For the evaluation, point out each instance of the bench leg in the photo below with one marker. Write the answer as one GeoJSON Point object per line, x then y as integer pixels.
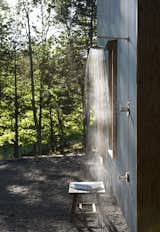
{"type": "Point", "coordinates": [100, 212]}
{"type": "Point", "coordinates": [74, 203]}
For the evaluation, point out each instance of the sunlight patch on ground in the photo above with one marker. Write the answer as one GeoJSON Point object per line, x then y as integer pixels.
{"type": "Point", "coordinates": [73, 154]}
{"type": "Point", "coordinates": [19, 190]}
{"type": "Point", "coordinates": [34, 197]}
{"type": "Point", "coordinates": [35, 175]}
{"type": "Point", "coordinates": [30, 195]}
{"type": "Point", "coordinates": [3, 166]}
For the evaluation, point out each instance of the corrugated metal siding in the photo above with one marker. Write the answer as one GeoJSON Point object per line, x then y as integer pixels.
{"type": "Point", "coordinates": [119, 19]}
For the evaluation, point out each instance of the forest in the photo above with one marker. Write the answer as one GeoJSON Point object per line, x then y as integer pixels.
{"type": "Point", "coordinates": [43, 51]}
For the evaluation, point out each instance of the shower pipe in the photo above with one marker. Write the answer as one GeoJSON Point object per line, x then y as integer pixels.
{"type": "Point", "coordinates": [113, 38]}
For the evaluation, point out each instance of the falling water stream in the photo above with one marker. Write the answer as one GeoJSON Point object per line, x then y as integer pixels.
{"type": "Point", "coordinates": [98, 102]}
{"type": "Point", "coordinates": [100, 117]}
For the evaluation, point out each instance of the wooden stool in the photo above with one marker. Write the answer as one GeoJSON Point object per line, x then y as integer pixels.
{"type": "Point", "coordinates": [81, 189]}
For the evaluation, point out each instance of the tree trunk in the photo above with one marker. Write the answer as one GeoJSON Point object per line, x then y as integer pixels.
{"type": "Point", "coordinates": [52, 135]}
{"type": "Point", "coordinates": [87, 115]}
{"type": "Point", "coordinates": [16, 147]}
{"type": "Point", "coordinates": [40, 116]}
{"type": "Point", "coordinates": [41, 80]}
{"type": "Point", "coordinates": [38, 135]}
{"type": "Point", "coordinates": [83, 101]}
{"type": "Point", "coordinates": [91, 26]}
{"type": "Point", "coordinates": [85, 91]}
{"type": "Point", "coordinates": [60, 127]}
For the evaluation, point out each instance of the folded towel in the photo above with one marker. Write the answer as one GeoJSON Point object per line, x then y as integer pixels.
{"type": "Point", "coordinates": [87, 187]}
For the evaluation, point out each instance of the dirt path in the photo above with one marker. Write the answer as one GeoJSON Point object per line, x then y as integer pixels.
{"type": "Point", "coordinates": [34, 196]}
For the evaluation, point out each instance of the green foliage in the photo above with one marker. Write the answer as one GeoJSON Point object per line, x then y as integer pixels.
{"type": "Point", "coordinates": [58, 68]}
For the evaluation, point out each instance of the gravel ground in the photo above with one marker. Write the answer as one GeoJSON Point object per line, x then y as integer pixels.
{"type": "Point", "coordinates": [34, 197]}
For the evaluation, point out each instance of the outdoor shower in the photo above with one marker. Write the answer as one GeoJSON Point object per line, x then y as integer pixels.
{"type": "Point", "coordinates": [98, 107]}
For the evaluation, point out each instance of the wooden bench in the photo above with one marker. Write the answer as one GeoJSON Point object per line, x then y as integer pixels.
{"type": "Point", "coordinates": [81, 191]}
